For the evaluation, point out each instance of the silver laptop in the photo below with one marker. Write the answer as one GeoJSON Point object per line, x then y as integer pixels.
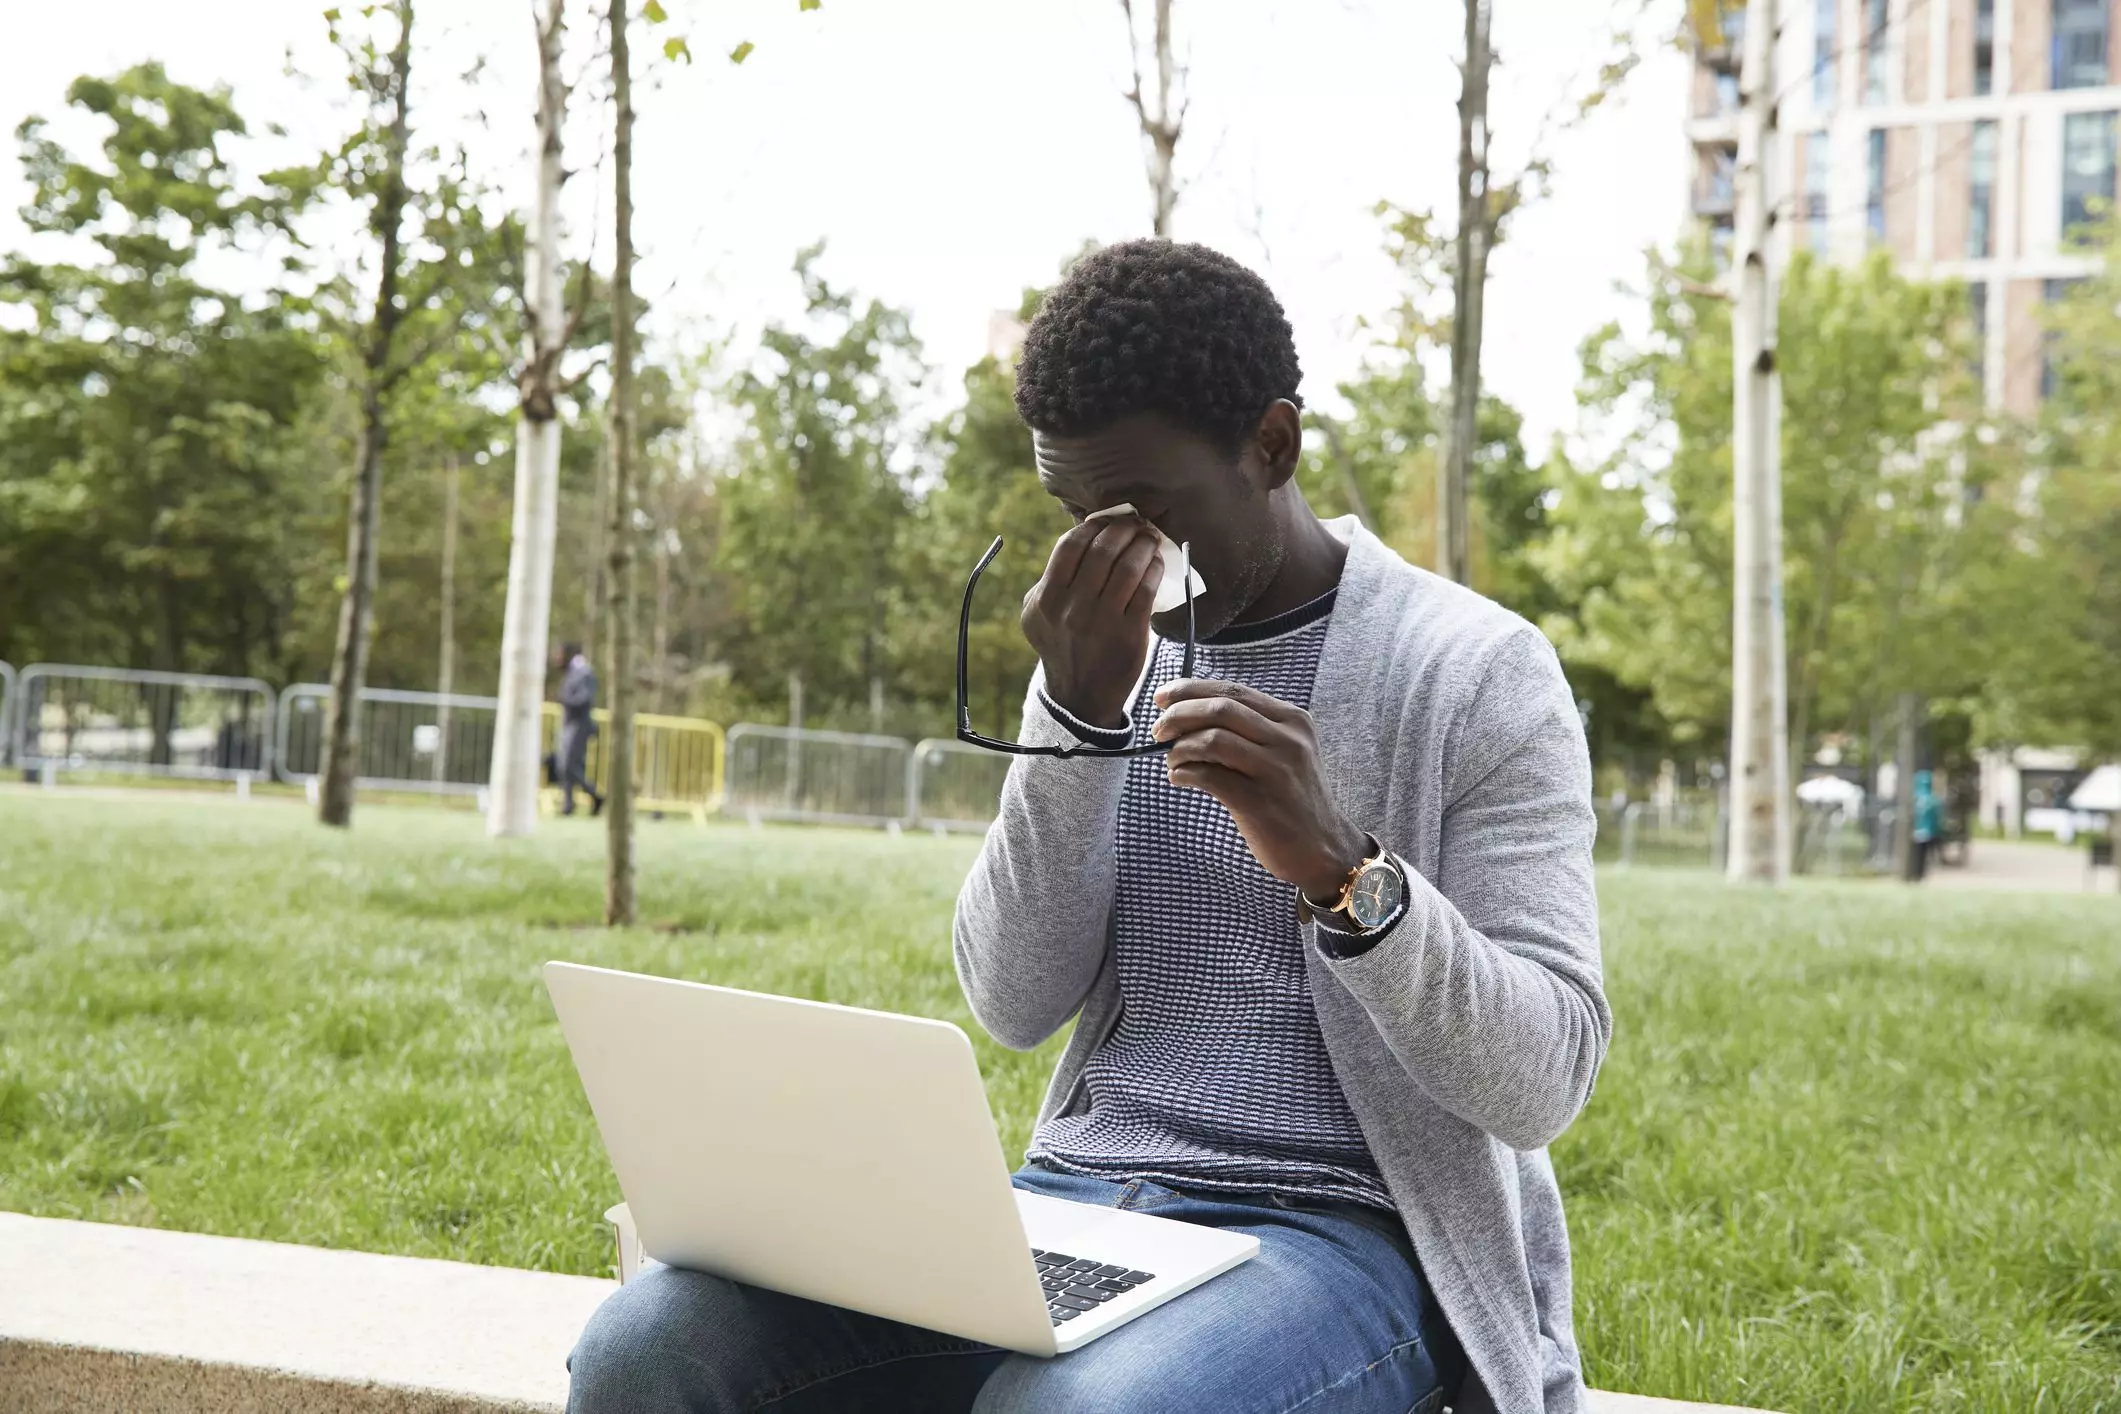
{"type": "Point", "coordinates": [849, 1156]}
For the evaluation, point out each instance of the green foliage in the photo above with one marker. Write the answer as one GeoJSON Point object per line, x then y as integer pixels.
{"type": "Point", "coordinates": [815, 512]}
{"type": "Point", "coordinates": [1886, 467]}
{"type": "Point", "coordinates": [152, 426]}
{"type": "Point", "coordinates": [2056, 593]}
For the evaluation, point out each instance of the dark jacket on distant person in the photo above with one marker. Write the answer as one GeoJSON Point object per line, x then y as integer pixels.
{"type": "Point", "coordinates": [578, 698]}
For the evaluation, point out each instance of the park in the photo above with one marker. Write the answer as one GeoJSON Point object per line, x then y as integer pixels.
{"type": "Point", "coordinates": [493, 482]}
{"type": "Point", "coordinates": [1851, 1153]}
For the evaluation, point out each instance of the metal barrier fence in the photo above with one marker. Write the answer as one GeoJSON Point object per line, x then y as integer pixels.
{"type": "Point", "coordinates": [1684, 832]}
{"type": "Point", "coordinates": [7, 707]}
{"type": "Point", "coordinates": [140, 722]}
{"type": "Point", "coordinates": [952, 786]}
{"type": "Point", "coordinates": [836, 778]}
{"type": "Point", "coordinates": [677, 761]}
{"type": "Point", "coordinates": [413, 741]}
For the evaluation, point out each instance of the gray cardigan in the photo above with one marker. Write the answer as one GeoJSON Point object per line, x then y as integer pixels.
{"type": "Point", "coordinates": [1466, 1040]}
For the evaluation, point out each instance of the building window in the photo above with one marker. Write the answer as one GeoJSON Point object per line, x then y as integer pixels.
{"type": "Point", "coordinates": [1981, 192]}
{"type": "Point", "coordinates": [1718, 188]}
{"type": "Point", "coordinates": [1726, 92]}
{"type": "Point", "coordinates": [1984, 45]}
{"type": "Point", "coordinates": [2078, 52]}
{"type": "Point", "coordinates": [1816, 174]}
{"type": "Point", "coordinates": [1826, 17]}
{"type": "Point", "coordinates": [1874, 197]}
{"type": "Point", "coordinates": [2087, 167]}
{"type": "Point", "coordinates": [1876, 65]}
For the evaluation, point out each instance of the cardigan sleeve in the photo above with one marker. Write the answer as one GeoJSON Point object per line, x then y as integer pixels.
{"type": "Point", "coordinates": [1489, 990]}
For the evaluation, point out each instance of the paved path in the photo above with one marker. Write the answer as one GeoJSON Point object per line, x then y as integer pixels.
{"type": "Point", "coordinates": [2025, 867]}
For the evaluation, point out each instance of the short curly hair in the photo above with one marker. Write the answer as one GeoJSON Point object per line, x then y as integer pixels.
{"type": "Point", "coordinates": [1157, 326]}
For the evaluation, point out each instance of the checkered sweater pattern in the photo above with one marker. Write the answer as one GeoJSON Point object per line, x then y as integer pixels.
{"type": "Point", "coordinates": [1216, 1076]}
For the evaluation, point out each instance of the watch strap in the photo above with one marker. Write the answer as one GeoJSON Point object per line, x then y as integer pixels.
{"type": "Point", "coordinates": [1309, 909]}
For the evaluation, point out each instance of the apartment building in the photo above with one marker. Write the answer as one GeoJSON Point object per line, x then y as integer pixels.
{"type": "Point", "coordinates": [1966, 137]}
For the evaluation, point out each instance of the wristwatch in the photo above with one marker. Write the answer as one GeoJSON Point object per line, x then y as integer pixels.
{"type": "Point", "coordinates": [1370, 894]}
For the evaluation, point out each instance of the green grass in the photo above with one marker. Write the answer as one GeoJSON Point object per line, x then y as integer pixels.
{"type": "Point", "coordinates": [1857, 1147]}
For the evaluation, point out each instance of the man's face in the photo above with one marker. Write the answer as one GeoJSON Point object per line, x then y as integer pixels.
{"type": "Point", "coordinates": [1187, 487]}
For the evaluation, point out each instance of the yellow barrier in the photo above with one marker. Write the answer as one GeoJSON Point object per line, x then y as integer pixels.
{"type": "Point", "coordinates": [677, 761]}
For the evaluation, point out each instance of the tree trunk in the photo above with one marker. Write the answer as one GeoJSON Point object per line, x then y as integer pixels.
{"type": "Point", "coordinates": [618, 744]}
{"type": "Point", "coordinates": [512, 805]}
{"type": "Point", "coordinates": [794, 760]}
{"type": "Point", "coordinates": [1161, 129]}
{"type": "Point", "coordinates": [1904, 787]}
{"type": "Point", "coordinates": [446, 669]}
{"type": "Point", "coordinates": [1760, 766]}
{"type": "Point", "coordinates": [593, 584]}
{"type": "Point", "coordinates": [1469, 282]}
{"type": "Point", "coordinates": [349, 659]}
{"type": "Point", "coordinates": [1163, 142]}
{"type": "Point", "coordinates": [659, 643]}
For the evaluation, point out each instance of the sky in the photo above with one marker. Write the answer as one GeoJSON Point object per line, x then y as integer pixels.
{"type": "Point", "coordinates": [951, 153]}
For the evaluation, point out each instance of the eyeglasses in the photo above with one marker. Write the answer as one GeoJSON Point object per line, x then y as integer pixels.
{"type": "Point", "coordinates": [1017, 748]}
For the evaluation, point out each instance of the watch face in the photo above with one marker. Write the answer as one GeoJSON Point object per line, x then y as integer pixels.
{"type": "Point", "coordinates": [1376, 894]}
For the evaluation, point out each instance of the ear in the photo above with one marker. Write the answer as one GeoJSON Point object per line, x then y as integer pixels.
{"type": "Point", "coordinates": [1279, 442]}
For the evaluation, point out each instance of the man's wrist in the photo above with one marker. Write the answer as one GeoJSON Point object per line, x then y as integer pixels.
{"type": "Point", "coordinates": [1089, 713]}
{"type": "Point", "coordinates": [1087, 732]}
{"type": "Point", "coordinates": [1337, 864]}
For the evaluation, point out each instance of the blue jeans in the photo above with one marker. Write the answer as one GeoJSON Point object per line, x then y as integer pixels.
{"type": "Point", "coordinates": [1332, 1315]}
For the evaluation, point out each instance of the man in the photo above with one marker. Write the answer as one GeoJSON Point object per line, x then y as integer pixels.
{"type": "Point", "coordinates": [578, 700]}
{"type": "Point", "coordinates": [1367, 1084]}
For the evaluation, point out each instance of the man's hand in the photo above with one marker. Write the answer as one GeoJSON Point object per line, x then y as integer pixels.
{"type": "Point", "coordinates": [1088, 616]}
{"type": "Point", "coordinates": [1259, 757]}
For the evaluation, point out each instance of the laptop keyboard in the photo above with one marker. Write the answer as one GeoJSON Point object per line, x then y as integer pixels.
{"type": "Point", "coordinates": [1078, 1284]}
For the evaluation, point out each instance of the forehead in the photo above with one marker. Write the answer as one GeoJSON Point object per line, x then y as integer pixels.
{"type": "Point", "coordinates": [1137, 454]}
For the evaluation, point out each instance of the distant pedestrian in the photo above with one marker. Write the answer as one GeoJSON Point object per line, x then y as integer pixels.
{"type": "Point", "coordinates": [1929, 824]}
{"type": "Point", "coordinates": [578, 699]}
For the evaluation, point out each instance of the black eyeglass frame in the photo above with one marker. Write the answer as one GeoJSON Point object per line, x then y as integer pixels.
{"type": "Point", "coordinates": [1017, 748]}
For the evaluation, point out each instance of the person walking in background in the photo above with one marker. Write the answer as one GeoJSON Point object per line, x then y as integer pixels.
{"type": "Point", "coordinates": [578, 699]}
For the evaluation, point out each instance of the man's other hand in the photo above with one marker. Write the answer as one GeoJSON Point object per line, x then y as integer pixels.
{"type": "Point", "coordinates": [1088, 616]}
{"type": "Point", "coordinates": [1259, 756]}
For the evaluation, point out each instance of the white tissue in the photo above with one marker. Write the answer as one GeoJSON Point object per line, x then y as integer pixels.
{"type": "Point", "coordinates": [1175, 590]}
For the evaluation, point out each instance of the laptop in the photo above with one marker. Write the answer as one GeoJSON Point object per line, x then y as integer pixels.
{"type": "Point", "coordinates": [849, 1156]}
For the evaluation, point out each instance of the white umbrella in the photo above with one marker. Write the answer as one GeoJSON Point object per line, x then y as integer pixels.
{"type": "Point", "coordinates": [2100, 791]}
{"type": "Point", "coordinates": [1831, 790]}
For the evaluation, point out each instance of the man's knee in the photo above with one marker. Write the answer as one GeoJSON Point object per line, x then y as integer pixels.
{"type": "Point", "coordinates": [649, 1347]}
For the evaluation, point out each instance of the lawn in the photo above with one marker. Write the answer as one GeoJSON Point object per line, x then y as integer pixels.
{"type": "Point", "coordinates": [1857, 1147]}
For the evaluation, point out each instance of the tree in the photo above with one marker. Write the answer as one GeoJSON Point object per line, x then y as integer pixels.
{"type": "Point", "coordinates": [2054, 593]}
{"type": "Point", "coordinates": [512, 805]}
{"type": "Point", "coordinates": [620, 595]}
{"type": "Point", "coordinates": [1484, 204]}
{"type": "Point", "coordinates": [1160, 127]}
{"type": "Point", "coordinates": [1380, 461]}
{"type": "Point", "coordinates": [1887, 465]}
{"type": "Point", "coordinates": [814, 510]}
{"type": "Point", "coordinates": [1477, 224]}
{"type": "Point", "coordinates": [153, 427]}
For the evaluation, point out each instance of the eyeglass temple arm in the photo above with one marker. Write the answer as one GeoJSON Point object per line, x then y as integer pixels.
{"type": "Point", "coordinates": [964, 634]}
{"type": "Point", "coordinates": [1185, 579]}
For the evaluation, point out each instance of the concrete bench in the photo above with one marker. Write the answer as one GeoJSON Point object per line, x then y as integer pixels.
{"type": "Point", "coordinates": [97, 1319]}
